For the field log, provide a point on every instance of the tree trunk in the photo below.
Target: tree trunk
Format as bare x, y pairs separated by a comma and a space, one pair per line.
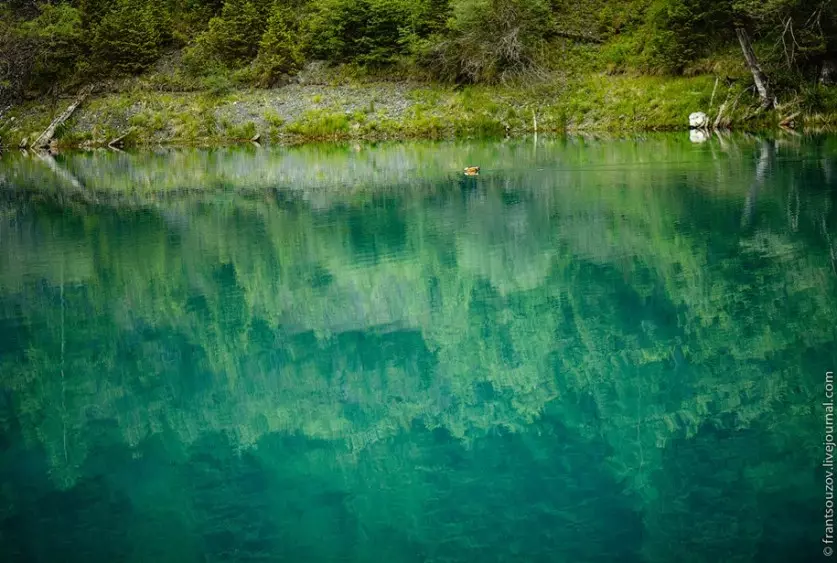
766, 95
119, 141
46, 136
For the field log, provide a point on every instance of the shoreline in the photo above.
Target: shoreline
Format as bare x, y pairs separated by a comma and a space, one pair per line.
384, 111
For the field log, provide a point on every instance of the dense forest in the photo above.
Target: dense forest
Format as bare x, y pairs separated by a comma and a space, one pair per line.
788, 46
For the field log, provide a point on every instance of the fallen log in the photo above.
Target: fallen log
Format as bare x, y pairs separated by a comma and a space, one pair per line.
119, 141
44, 139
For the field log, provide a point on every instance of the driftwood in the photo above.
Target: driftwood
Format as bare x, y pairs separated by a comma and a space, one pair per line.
44, 139
119, 141
721, 121
256, 139
717, 123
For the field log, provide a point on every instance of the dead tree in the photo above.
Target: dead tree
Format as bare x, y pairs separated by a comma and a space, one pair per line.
44, 139
765, 93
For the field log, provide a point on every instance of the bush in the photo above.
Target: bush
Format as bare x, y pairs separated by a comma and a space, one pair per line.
366, 31
678, 32
193, 17
490, 40
218, 85
320, 124
280, 49
57, 33
36, 55
131, 35
92, 11
232, 38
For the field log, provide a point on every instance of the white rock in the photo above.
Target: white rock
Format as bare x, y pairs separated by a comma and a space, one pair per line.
698, 119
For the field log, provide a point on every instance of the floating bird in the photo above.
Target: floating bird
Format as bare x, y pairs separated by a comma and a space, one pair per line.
472, 170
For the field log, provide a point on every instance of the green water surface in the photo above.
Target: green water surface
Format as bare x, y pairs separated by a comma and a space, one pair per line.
596, 350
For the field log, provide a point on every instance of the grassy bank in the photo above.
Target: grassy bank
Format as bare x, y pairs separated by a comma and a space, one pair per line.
345, 108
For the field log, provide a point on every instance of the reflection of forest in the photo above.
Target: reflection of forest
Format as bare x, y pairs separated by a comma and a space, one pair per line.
643, 296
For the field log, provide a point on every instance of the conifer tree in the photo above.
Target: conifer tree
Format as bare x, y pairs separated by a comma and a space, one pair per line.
130, 36
233, 37
280, 50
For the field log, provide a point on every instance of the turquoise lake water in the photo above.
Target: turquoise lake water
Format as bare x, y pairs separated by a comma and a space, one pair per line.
596, 350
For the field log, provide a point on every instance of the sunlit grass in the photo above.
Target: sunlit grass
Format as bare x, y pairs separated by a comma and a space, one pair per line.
596, 101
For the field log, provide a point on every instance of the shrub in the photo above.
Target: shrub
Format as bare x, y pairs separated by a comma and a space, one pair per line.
38, 54
193, 16
320, 124
677, 32
92, 11
280, 49
57, 33
130, 36
367, 31
232, 38
244, 131
490, 40
218, 85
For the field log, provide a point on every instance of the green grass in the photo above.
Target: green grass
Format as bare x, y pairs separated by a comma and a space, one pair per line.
633, 102
242, 132
30, 119
275, 124
321, 124
589, 102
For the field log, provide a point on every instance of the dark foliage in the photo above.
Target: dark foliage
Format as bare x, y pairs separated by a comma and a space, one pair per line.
46, 46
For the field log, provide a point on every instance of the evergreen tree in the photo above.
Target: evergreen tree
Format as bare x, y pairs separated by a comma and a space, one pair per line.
130, 36
92, 11
785, 44
280, 51
366, 31
57, 32
233, 37
492, 40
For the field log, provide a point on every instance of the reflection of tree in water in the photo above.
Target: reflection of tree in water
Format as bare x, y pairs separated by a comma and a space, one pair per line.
353, 370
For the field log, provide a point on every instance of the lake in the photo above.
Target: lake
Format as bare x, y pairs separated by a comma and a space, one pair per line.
598, 349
